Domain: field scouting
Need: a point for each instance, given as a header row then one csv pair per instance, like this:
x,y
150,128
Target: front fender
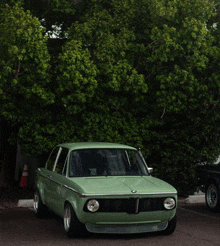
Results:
x,y
77,202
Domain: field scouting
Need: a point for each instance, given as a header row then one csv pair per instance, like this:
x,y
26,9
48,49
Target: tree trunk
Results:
x,y
8,155
8,168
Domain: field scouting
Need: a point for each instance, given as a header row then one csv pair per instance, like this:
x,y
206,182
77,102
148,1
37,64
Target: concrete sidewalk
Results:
x,y
26,203
198,197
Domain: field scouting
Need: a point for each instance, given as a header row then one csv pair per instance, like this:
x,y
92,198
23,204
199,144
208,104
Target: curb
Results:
x,y
27,203
196,199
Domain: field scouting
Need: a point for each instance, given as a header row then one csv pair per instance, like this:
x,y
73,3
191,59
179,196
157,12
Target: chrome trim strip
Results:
x,y
137,194
137,205
52,180
49,177
128,223
57,157
72,189
97,195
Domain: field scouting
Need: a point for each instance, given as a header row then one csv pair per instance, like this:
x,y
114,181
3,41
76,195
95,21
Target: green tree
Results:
x,y
24,66
143,73
157,66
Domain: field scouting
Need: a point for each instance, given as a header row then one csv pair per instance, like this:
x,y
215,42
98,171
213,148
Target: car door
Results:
x,y
49,179
59,179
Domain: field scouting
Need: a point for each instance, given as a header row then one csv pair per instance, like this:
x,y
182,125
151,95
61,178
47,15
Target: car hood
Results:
x,y
121,185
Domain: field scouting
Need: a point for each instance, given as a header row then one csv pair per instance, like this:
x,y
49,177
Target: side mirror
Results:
x,y
150,170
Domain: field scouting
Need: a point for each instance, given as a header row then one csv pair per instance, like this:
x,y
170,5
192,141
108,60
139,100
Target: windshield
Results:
x,y
106,162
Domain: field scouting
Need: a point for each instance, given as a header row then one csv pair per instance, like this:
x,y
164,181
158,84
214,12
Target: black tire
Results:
x,y
171,226
212,197
73,227
39,208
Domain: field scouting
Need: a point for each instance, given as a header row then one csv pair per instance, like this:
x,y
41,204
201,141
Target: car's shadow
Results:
x,y
88,235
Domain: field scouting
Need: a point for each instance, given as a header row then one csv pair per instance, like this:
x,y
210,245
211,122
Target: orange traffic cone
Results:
x,y
24,176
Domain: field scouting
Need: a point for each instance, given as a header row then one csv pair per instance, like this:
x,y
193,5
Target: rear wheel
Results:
x,y
72,225
212,197
39,208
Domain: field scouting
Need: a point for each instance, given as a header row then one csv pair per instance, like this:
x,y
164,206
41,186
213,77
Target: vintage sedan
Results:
x,y
104,188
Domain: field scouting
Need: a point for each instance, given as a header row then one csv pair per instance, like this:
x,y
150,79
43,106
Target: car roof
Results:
x,y
94,145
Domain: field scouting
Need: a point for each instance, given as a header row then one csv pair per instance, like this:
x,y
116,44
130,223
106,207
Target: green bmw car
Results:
x,y
104,188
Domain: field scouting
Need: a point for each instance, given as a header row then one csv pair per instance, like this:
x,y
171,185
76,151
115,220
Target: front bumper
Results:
x,y
114,220
126,228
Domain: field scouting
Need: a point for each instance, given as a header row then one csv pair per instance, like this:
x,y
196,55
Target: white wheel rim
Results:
x,y
212,196
67,218
36,202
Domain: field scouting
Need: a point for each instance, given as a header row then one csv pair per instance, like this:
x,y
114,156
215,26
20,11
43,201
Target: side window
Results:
x,y
52,158
62,161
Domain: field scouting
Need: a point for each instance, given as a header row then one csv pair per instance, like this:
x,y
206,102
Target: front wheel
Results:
x,y
212,198
72,225
171,226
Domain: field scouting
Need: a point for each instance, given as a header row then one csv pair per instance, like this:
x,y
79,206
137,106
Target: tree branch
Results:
x,y
163,113
18,70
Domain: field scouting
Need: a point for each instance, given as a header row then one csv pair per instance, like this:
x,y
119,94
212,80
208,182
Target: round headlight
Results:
x,y
169,203
93,205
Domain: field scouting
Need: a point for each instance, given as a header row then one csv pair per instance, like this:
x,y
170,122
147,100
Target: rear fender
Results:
x,y
39,186
41,191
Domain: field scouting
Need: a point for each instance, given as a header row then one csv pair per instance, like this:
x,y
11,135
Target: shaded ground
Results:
x,y
9,196
20,227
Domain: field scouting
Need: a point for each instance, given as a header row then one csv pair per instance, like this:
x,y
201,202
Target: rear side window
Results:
x,y
62,161
52,159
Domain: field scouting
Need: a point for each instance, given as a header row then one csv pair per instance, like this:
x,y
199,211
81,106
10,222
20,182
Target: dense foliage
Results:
x,y
143,73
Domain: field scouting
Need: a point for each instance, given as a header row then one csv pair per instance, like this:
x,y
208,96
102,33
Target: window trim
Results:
x,y
58,155
65,162
65,165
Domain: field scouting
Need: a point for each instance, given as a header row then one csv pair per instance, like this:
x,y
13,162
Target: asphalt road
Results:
x,y
20,227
